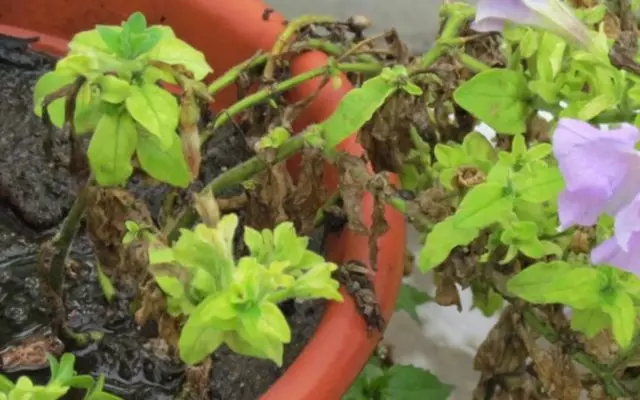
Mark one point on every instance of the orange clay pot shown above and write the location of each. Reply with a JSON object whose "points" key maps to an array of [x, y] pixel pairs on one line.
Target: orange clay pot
{"points": [[228, 32]]}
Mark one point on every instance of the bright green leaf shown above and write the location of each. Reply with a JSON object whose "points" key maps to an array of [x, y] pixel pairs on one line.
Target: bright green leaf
{"points": [[590, 321], [406, 382], [88, 110], [113, 89], [409, 299], [156, 110], [498, 97], [443, 238], [108, 289], [165, 165], [47, 84], [110, 37], [623, 317], [558, 282], [540, 185], [111, 148], [174, 51], [355, 109], [483, 205]]}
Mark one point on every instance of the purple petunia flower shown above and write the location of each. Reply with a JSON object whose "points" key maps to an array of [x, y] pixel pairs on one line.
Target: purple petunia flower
{"points": [[623, 249], [601, 170], [553, 15]]}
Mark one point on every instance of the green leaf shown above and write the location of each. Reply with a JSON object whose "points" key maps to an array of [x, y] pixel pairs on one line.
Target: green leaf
{"points": [[443, 238], [113, 89], [622, 312], [91, 41], [156, 110], [406, 382], [106, 285], [174, 51], [112, 145], [47, 84], [88, 110], [410, 298], [136, 22], [273, 323], [486, 299], [558, 282], [538, 152], [203, 332], [147, 41], [198, 340], [539, 185], [498, 97], [355, 109], [165, 165], [590, 321], [483, 205], [110, 36], [476, 145]]}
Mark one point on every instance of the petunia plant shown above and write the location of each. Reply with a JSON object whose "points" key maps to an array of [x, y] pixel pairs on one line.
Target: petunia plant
{"points": [[106, 86], [235, 302]]}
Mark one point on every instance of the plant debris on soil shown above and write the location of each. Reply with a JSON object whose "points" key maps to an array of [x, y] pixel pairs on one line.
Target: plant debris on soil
{"points": [[35, 195]]}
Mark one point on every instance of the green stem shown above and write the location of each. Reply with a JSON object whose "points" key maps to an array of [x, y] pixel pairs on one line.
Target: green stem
{"points": [[237, 175], [472, 63], [264, 94], [451, 29], [332, 49], [232, 75], [63, 239], [293, 27]]}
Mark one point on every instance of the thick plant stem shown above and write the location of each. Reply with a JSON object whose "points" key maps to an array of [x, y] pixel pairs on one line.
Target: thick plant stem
{"points": [[61, 243], [451, 29], [264, 94]]}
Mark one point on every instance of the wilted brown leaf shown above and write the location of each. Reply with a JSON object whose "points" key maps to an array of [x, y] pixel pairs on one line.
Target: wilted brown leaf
{"points": [[310, 194], [106, 213], [355, 277], [268, 197], [447, 293], [197, 378], [353, 180], [386, 137], [503, 351]]}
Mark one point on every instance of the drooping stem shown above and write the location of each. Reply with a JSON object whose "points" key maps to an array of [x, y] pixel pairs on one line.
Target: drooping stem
{"points": [[62, 241], [265, 93]]}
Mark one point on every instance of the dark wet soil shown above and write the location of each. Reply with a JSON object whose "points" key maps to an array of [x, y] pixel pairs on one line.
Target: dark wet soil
{"points": [[35, 194]]}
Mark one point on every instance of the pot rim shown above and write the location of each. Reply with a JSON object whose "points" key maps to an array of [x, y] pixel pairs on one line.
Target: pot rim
{"points": [[341, 344]]}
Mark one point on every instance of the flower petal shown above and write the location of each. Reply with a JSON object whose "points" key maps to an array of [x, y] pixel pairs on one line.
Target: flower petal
{"points": [[609, 252], [627, 224], [492, 14], [581, 207]]}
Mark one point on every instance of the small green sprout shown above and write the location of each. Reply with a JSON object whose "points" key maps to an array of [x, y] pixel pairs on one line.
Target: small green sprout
{"points": [[63, 378]]}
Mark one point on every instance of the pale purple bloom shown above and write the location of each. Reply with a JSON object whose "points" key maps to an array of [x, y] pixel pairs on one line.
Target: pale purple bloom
{"points": [[623, 249], [553, 15], [601, 170]]}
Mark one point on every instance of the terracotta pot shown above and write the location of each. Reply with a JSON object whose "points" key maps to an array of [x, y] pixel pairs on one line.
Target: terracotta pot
{"points": [[229, 31]]}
